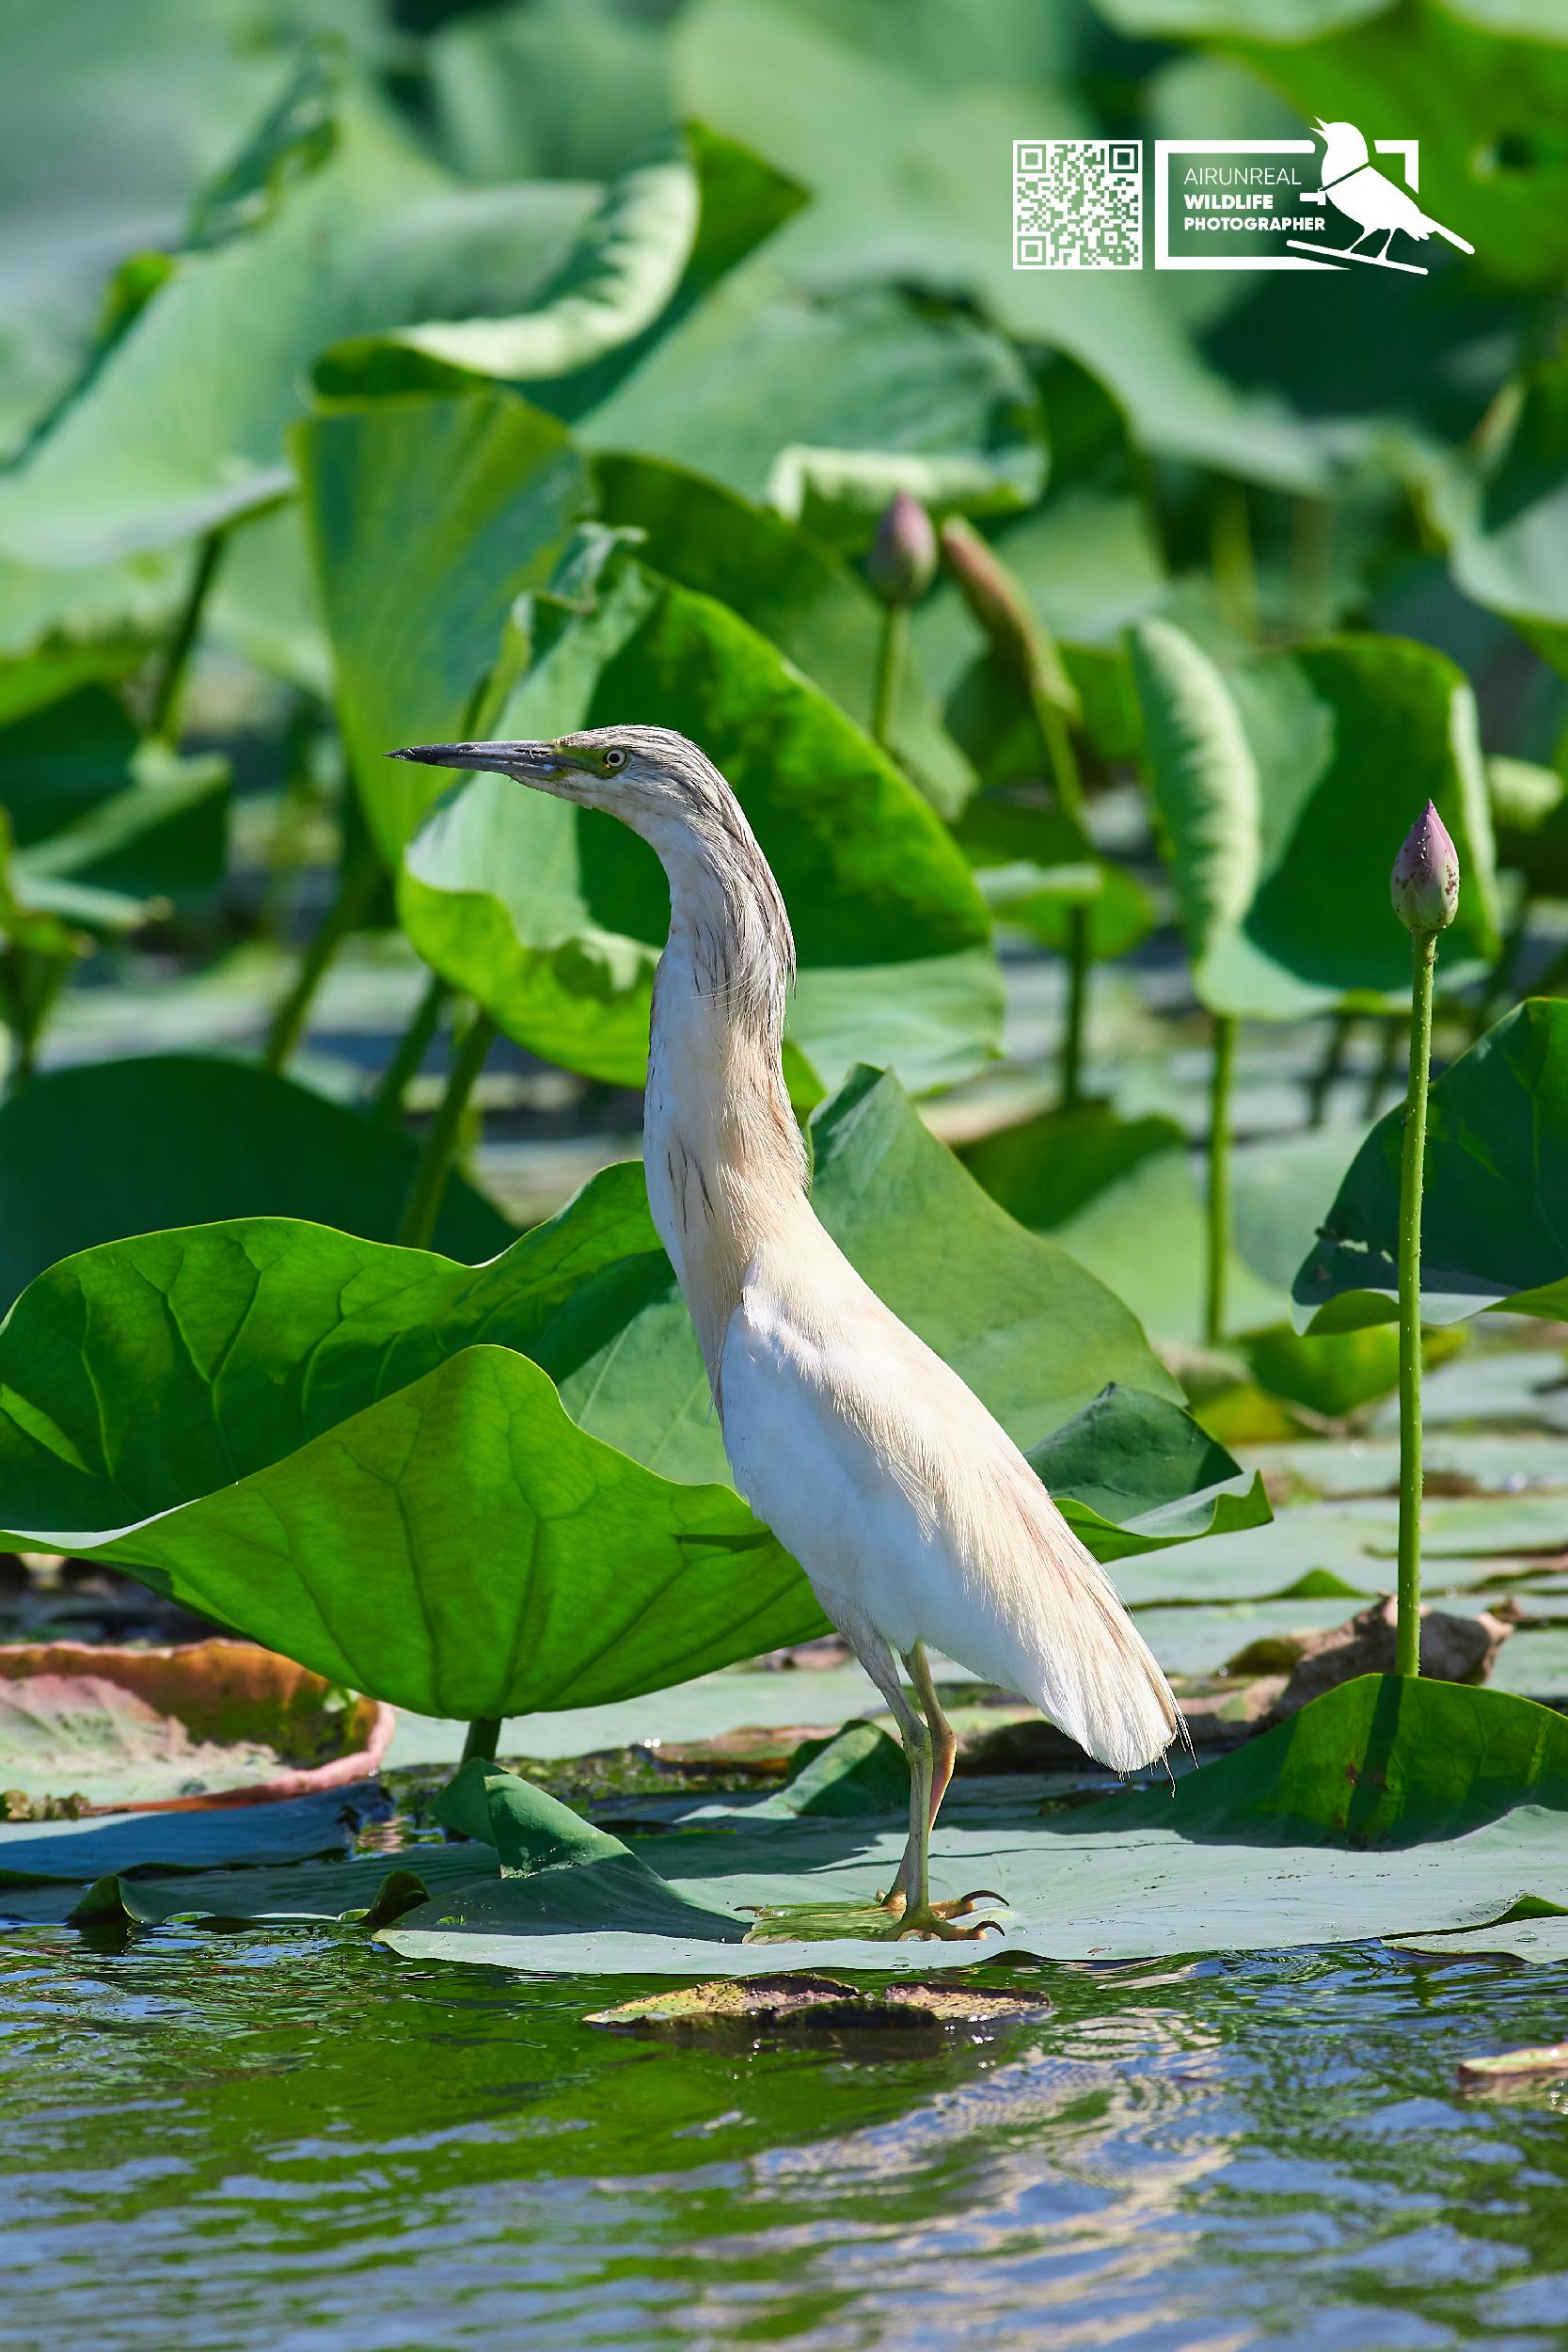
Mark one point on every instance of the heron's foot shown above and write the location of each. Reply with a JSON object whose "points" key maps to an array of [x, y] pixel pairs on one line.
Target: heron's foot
{"points": [[943, 1921], [884, 1922]]}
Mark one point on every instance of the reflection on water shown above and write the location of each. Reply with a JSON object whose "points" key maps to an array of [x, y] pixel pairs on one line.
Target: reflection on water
{"points": [[249, 2142]]}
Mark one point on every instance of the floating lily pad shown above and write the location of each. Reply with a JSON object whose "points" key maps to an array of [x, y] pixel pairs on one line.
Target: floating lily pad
{"points": [[1382, 1809], [291, 1831], [207, 1724]]}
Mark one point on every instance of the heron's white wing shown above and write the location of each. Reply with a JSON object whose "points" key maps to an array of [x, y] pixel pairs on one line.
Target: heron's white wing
{"points": [[917, 1517]]}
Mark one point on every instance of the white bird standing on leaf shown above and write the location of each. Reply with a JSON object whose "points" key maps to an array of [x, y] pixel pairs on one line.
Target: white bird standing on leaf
{"points": [[1354, 186], [913, 1513]]}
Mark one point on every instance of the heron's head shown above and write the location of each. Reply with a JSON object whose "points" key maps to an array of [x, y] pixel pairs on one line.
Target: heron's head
{"points": [[647, 776]]}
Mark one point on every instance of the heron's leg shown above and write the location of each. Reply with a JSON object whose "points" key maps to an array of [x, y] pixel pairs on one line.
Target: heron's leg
{"points": [[906, 1908], [1362, 238], [944, 1744], [911, 1888]]}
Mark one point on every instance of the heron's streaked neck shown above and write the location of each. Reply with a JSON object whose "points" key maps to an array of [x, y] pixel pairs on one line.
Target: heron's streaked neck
{"points": [[724, 1160]]}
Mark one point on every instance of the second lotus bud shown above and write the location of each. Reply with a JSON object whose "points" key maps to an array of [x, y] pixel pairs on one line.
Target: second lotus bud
{"points": [[903, 559], [1424, 885]]}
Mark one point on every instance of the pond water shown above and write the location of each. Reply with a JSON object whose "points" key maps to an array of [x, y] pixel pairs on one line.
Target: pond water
{"points": [[251, 2141]]}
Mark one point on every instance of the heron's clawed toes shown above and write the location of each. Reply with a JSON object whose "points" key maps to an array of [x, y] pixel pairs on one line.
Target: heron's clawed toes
{"points": [[940, 1920]]}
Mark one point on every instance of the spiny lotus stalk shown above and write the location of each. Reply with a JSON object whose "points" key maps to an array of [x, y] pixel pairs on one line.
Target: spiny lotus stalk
{"points": [[1424, 888]]}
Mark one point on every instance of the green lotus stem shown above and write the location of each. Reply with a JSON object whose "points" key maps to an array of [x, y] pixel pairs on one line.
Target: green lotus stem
{"points": [[1330, 1070], [1067, 778], [1221, 1078], [359, 880], [1230, 551], [164, 717], [891, 653], [425, 1193], [1407, 1638], [1068, 783], [387, 1102], [483, 1738], [1312, 563]]}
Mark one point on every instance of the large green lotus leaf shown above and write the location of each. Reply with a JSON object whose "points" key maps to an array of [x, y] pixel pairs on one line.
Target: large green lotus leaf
{"points": [[791, 591], [93, 806], [340, 1449], [671, 223], [1134, 1472], [562, 91], [615, 281], [264, 604], [427, 517], [1282, 789], [1034, 1335], [825, 403], [553, 916], [1493, 1233], [92, 1153], [1124, 1197], [331, 224], [59, 630], [108, 117], [459, 1548], [883, 116], [1504, 506]]}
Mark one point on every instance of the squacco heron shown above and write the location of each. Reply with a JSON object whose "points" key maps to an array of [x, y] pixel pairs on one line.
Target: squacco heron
{"points": [[914, 1516]]}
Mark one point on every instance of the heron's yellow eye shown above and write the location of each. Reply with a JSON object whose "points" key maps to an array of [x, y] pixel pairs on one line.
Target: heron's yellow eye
{"points": [[615, 759]]}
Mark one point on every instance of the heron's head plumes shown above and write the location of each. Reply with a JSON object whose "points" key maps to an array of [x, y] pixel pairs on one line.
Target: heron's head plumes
{"points": [[639, 775]]}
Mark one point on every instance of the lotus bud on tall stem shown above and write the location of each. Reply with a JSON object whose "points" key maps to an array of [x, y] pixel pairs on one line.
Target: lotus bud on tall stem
{"points": [[901, 566], [1425, 891], [1026, 649]]}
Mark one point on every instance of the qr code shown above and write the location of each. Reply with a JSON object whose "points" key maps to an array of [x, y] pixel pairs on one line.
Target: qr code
{"points": [[1078, 204]]}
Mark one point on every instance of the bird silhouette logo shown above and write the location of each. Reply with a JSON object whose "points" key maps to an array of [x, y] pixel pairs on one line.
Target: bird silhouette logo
{"points": [[1353, 185]]}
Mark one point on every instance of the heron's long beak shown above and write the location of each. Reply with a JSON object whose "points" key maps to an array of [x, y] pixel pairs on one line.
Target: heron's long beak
{"points": [[533, 762]]}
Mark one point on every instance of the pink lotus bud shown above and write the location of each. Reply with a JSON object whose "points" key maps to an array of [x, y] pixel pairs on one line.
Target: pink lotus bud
{"points": [[1018, 638], [1425, 882], [903, 559]]}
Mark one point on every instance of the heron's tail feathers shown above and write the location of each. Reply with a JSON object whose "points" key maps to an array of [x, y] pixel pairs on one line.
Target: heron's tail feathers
{"points": [[1104, 1686], [1451, 236], [1078, 1657]]}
